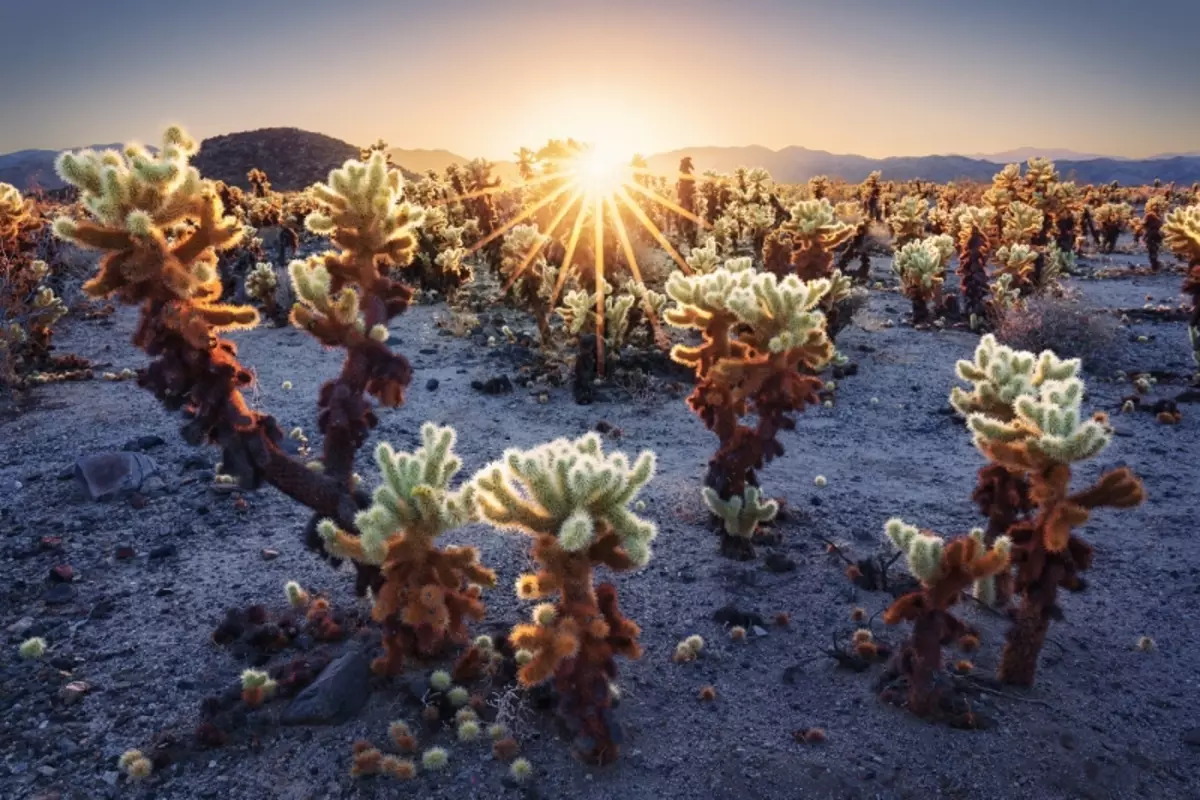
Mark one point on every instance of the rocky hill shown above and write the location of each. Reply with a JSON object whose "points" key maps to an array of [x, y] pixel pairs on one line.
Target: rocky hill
{"points": [[292, 158]]}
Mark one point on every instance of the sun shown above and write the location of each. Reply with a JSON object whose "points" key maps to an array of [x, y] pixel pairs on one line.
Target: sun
{"points": [[601, 171], [599, 184]]}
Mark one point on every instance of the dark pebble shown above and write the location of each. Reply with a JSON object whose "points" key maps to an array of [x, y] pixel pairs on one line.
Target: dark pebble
{"points": [[432, 384], [59, 594], [163, 551]]}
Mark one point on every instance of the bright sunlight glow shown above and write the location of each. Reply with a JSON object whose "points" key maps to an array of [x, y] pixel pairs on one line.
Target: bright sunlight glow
{"points": [[600, 170]]}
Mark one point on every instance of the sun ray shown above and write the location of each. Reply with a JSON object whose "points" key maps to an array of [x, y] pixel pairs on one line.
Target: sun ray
{"points": [[667, 203], [649, 225], [627, 248], [566, 262], [519, 218], [504, 187], [554, 223]]}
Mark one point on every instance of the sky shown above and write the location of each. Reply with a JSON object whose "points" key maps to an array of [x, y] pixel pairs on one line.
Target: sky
{"points": [[484, 77]]}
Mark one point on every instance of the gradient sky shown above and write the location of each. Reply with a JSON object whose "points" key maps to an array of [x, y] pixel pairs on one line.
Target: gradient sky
{"points": [[482, 77]]}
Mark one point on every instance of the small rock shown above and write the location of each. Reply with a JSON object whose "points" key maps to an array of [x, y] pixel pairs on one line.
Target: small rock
{"points": [[731, 615], [62, 573], [60, 594], [105, 476], [432, 384], [778, 562], [162, 551], [143, 443], [499, 384], [73, 692], [110, 778], [337, 694], [1191, 737], [22, 626], [269, 555], [757, 631]]}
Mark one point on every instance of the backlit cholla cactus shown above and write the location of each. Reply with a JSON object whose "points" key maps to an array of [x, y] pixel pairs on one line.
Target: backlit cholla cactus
{"points": [[907, 219], [578, 505], [578, 312], [705, 258], [921, 266], [974, 245], [763, 341], [428, 593], [814, 232], [1006, 189], [441, 256], [1017, 261], [262, 284], [818, 187], [869, 195], [1182, 235], [1112, 219], [1025, 415], [945, 570], [1021, 223], [524, 269]]}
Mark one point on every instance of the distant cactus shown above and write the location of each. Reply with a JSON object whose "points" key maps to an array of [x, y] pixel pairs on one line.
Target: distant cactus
{"points": [[1182, 235], [869, 195], [685, 191], [575, 502], [1152, 223], [974, 246], [1112, 219], [921, 266], [1025, 416], [907, 220], [427, 594], [945, 570]]}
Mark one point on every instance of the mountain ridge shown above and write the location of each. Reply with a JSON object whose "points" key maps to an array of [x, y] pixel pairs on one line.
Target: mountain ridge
{"points": [[294, 158]]}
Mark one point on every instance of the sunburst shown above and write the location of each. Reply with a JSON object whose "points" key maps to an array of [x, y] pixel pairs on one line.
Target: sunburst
{"points": [[596, 183]]}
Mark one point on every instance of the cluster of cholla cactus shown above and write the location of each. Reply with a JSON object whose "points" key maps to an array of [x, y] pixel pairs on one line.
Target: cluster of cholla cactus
{"points": [[1182, 234], [528, 275], [921, 265], [945, 570], [133, 199], [1112, 219], [1025, 414], [624, 312], [804, 246], [428, 593], [262, 284], [441, 254], [28, 308], [579, 505], [907, 219], [763, 343]]}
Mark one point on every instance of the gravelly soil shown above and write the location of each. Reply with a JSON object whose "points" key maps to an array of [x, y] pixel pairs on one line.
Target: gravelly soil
{"points": [[1104, 721]]}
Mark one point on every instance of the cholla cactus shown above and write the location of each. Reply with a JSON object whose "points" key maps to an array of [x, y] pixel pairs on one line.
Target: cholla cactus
{"points": [[869, 194], [1022, 223], [1112, 219], [945, 570], [1017, 261], [921, 266], [576, 502], [741, 514], [1005, 190], [1152, 223], [427, 593], [814, 232], [974, 245], [262, 284], [761, 334], [818, 187], [907, 219], [526, 272], [1025, 415], [579, 316], [1182, 234], [132, 197]]}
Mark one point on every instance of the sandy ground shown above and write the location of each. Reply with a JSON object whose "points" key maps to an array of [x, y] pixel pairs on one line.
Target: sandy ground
{"points": [[1104, 720]]}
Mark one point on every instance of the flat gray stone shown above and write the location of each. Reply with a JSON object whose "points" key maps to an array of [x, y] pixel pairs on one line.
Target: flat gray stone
{"points": [[338, 693], [108, 476]]}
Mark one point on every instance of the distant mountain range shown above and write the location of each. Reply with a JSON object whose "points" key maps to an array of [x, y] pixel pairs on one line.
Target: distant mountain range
{"points": [[293, 159]]}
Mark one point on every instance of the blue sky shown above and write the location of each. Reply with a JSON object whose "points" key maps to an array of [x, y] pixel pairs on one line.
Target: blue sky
{"points": [[482, 77]]}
